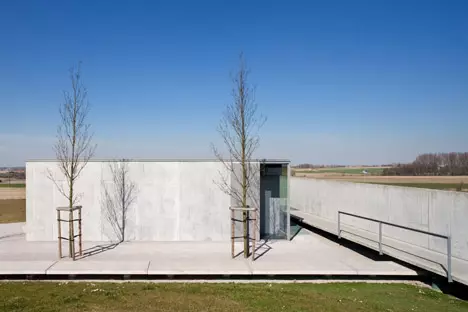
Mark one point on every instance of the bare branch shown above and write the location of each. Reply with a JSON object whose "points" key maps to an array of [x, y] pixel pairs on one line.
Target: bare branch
{"points": [[118, 198], [238, 128], [74, 147]]}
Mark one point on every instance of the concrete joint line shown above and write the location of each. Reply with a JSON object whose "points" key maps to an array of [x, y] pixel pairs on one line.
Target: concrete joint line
{"points": [[147, 268], [249, 266], [46, 270], [350, 266]]}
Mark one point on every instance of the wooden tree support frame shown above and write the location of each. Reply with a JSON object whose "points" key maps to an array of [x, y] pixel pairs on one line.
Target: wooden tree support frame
{"points": [[71, 231], [233, 220]]}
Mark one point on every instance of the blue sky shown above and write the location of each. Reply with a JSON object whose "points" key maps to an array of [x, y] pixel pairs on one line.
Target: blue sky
{"points": [[349, 82]]}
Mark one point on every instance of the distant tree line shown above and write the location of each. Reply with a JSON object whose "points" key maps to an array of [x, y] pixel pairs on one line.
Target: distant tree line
{"points": [[432, 164], [13, 175]]}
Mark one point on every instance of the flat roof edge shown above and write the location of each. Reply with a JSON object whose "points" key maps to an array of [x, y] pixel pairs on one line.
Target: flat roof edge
{"points": [[270, 161]]}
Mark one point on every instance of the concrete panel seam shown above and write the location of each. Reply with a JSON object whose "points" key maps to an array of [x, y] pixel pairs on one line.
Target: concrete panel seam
{"points": [[249, 266], [46, 270]]}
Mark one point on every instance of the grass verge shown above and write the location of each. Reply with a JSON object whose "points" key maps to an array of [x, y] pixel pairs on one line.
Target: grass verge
{"points": [[48, 296], [15, 185], [12, 210]]}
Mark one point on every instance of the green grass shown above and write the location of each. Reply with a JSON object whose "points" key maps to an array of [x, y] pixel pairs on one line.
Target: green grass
{"points": [[16, 185], [350, 297], [434, 186], [343, 170]]}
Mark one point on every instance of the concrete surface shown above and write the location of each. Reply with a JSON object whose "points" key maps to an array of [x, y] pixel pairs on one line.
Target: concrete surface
{"points": [[306, 254], [25, 267], [173, 201], [98, 267], [11, 231], [418, 256], [443, 212]]}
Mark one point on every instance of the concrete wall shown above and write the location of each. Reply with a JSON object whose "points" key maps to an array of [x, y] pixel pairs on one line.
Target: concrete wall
{"points": [[443, 212], [174, 201]]}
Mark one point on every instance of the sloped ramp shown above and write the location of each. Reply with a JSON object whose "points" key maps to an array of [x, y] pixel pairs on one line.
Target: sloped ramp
{"points": [[420, 257]]}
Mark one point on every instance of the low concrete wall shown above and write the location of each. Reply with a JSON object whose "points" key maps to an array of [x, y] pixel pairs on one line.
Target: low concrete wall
{"points": [[173, 201], [443, 212]]}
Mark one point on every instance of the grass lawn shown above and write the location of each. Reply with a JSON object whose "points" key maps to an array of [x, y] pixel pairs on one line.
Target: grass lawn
{"points": [[49, 296], [12, 185], [12, 210]]}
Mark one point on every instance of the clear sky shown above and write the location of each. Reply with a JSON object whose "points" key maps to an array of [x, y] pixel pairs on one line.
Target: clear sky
{"points": [[349, 82]]}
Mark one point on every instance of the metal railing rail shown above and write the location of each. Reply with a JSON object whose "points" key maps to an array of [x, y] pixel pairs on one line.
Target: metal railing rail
{"points": [[380, 222]]}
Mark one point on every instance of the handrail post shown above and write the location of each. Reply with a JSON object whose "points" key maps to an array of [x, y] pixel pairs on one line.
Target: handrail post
{"points": [[380, 222], [380, 238], [339, 229], [449, 259]]}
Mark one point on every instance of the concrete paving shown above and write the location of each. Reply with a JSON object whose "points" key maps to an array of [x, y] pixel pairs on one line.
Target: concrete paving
{"points": [[11, 231], [308, 254], [25, 267], [421, 257]]}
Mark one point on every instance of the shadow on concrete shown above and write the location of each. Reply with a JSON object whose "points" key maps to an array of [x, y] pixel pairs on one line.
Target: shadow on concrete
{"points": [[437, 281], [262, 249], [442, 267], [294, 228], [238, 254], [362, 250], [11, 235], [95, 250]]}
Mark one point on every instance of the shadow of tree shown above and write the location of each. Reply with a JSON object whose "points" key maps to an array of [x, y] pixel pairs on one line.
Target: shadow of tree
{"points": [[117, 197], [12, 235], [97, 250], [262, 249]]}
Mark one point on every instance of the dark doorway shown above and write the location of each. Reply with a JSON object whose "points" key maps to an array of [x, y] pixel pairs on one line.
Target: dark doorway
{"points": [[270, 187]]}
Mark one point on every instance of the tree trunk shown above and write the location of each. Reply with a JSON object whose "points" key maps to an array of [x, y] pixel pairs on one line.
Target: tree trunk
{"points": [[70, 223], [246, 234], [123, 195]]}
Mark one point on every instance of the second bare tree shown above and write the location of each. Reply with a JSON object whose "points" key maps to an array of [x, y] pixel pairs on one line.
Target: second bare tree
{"points": [[239, 128]]}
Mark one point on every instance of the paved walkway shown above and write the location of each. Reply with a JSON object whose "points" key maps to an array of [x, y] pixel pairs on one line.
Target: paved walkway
{"points": [[307, 254], [415, 255]]}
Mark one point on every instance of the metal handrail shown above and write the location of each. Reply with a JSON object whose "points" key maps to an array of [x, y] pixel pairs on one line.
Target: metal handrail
{"points": [[380, 222]]}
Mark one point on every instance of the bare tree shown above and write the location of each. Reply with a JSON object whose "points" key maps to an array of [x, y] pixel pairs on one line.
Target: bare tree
{"points": [[118, 197], [239, 128], [74, 146]]}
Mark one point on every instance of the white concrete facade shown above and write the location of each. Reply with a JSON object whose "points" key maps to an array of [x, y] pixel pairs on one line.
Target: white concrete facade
{"points": [[174, 201], [442, 212]]}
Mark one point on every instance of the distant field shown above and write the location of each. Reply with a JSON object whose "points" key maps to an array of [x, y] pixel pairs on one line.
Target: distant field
{"points": [[346, 170], [16, 185], [434, 186], [393, 179], [12, 193], [12, 210], [449, 183]]}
